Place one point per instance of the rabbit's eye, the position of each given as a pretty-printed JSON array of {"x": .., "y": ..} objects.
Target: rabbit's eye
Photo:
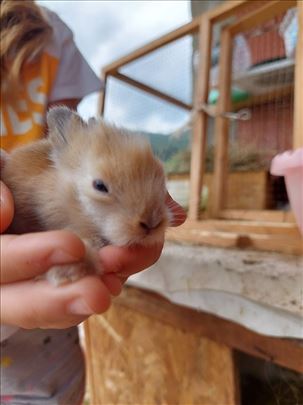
[{"x": 100, "y": 186}]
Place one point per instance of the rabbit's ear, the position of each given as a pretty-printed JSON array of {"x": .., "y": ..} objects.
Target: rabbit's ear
[{"x": 62, "y": 122}]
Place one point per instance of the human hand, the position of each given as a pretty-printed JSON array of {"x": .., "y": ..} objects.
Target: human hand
[{"x": 30, "y": 303}]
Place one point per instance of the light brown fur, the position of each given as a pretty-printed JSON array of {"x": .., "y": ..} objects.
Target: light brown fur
[{"x": 52, "y": 184}]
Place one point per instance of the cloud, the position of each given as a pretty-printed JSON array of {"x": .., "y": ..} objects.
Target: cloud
[{"x": 107, "y": 30}]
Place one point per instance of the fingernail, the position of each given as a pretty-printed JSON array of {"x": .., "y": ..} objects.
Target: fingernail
[
  {"x": 80, "y": 307},
  {"x": 60, "y": 257}
]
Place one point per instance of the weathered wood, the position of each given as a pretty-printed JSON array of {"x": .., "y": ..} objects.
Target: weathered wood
[
  {"x": 298, "y": 115},
  {"x": 245, "y": 227},
  {"x": 137, "y": 359},
  {"x": 264, "y": 215},
  {"x": 242, "y": 190},
  {"x": 244, "y": 240},
  {"x": 198, "y": 143},
  {"x": 284, "y": 352},
  {"x": 249, "y": 190},
  {"x": 261, "y": 15},
  {"x": 152, "y": 91},
  {"x": 222, "y": 124}
]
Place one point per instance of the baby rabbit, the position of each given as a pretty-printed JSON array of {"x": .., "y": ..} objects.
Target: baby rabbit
[{"x": 101, "y": 182}]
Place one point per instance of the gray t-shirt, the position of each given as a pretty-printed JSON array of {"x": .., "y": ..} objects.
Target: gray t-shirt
[{"x": 42, "y": 367}]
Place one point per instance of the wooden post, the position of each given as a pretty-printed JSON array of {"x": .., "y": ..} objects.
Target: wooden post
[
  {"x": 102, "y": 95},
  {"x": 222, "y": 124},
  {"x": 152, "y": 91},
  {"x": 200, "y": 119},
  {"x": 298, "y": 107}
]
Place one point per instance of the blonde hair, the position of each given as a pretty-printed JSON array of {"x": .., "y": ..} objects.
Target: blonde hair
[{"x": 24, "y": 33}]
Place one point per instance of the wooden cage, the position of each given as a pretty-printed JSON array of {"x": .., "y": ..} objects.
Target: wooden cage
[{"x": 265, "y": 229}]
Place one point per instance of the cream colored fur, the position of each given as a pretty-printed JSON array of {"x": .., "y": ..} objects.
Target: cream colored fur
[{"x": 52, "y": 184}]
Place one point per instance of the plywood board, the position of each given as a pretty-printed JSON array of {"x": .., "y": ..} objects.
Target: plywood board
[
  {"x": 140, "y": 360},
  {"x": 285, "y": 352}
]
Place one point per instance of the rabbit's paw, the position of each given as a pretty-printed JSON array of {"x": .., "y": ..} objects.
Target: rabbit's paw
[{"x": 66, "y": 273}]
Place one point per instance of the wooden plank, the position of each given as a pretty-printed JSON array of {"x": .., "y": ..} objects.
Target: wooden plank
[
  {"x": 227, "y": 9},
  {"x": 198, "y": 143},
  {"x": 298, "y": 115},
  {"x": 269, "y": 243},
  {"x": 102, "y": 94},
  {"x": 199, "y": 237},
  {"x": 172, "y": 36},
  {"x": 284, "y": 352},
  {"x": 245, "y": 227},
  {"x": 242, "y": 190},
  {"x": 142, "y": 360},
  {"x": 266, "y": 12},
  {"x": 152, "y": 91},
  {"x": 247, "y": 190},
  {"x": 264, "y": 215},
  {"x": 222, "y": 124},
  {"x": 245, "y": 240}
]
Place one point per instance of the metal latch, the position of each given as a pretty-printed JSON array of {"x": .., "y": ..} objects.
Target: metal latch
[{"x": 242, "y": 115}]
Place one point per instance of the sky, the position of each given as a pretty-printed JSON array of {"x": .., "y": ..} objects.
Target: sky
[{"x": 106, "y": 30}]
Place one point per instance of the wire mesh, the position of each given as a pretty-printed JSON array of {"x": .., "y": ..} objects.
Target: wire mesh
[
  {"x": 137, "y": 110},
  {"x": 262, "y": 85},
  {"x": 168, "y": 69}
]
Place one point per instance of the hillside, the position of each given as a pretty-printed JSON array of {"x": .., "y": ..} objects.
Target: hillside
[{"x": 166, "y": 147}]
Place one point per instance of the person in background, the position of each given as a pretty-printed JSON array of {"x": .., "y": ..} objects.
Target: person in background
[{"x": 41, "y": 359}]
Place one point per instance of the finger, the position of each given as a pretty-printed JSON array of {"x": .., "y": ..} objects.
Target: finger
[
  {"x": 113, "y": 283},
  {"x": 178, "y": 215},
  {"x": 26, "y": 256},
  {"x": 122, "y": 279},
  {"x": 125, "y": 261},
  {"x": 37, "y": 304},
  {"x": 6, "y": 206}
]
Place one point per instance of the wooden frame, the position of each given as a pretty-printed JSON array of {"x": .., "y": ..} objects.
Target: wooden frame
[
  {"x": 203, "y": 27},
  {"x": 268, "y": 10}
]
